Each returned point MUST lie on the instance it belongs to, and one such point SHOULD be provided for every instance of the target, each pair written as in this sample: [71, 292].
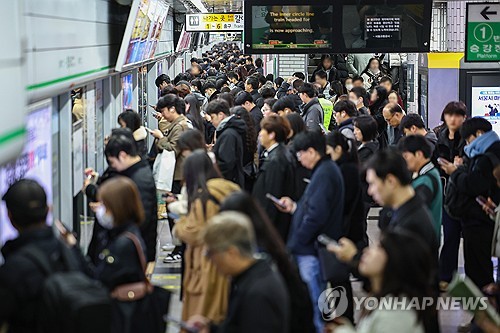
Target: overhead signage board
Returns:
[214, 22]
[482, 43]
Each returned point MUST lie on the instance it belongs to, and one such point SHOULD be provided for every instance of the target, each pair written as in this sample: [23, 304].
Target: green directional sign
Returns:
[482, 42]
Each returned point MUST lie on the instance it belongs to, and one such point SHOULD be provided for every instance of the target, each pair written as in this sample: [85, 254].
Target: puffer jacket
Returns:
[312, 114]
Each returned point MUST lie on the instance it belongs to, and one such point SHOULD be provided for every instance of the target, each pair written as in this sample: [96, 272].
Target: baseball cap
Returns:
[26, 197]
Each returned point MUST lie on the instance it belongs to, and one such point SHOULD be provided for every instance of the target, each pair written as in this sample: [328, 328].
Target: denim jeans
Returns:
[310, 272]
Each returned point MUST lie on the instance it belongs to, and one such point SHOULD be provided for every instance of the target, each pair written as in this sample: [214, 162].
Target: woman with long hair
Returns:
[250, 147]
[269, 242]
[378, 100]
[373, 73]
[130, 119]
[206, 292]
[399, 270]
[193, 112]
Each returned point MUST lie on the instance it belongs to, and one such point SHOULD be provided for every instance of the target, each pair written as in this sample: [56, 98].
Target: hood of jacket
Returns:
[481, 144]
[140, 134]
[232, 122]
[220, 188]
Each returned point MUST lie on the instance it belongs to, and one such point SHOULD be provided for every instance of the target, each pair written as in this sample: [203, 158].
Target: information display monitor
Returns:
[288, 26]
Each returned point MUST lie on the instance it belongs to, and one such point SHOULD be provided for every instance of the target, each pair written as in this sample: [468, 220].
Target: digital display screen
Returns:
[486, 104]
[393, 25]
[35, 162]
[297, 28]
[142, 33]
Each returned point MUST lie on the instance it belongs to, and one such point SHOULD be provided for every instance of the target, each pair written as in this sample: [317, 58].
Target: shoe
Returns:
[356, 31]
[172, 258]
[443, 286]
[168, 247]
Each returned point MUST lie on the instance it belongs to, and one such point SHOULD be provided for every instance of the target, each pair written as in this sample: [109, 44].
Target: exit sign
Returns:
[482, 42]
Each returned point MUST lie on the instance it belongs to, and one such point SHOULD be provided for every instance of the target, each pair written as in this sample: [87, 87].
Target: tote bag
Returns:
[163, 170]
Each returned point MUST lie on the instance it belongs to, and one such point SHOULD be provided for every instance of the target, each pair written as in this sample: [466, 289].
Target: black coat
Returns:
[141, 175]
[341, 65]
[448, 149]
[258, 302]
[21, 279]
[274, 177]
[366, 150]
[257, 98]
[331, 75]
[476, 179]
[229, 150]
[119, 261]
[257, 116]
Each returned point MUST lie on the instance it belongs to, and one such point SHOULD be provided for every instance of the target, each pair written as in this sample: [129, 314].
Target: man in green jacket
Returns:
[426, 181]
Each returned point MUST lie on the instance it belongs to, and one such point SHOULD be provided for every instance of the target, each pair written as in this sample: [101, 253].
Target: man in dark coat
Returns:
[312, 112]
[21, 279]
[252, 86]
[245, 100]
[276, 171]
[259, 300]
[229, 147]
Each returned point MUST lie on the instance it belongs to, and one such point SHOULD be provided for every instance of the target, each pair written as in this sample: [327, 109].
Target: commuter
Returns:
[357, 62]
[326, 65]
[301, 173]
[474, 179]
[358, 81]
[343, 151]
[121, 154]
[21, 279]
[193, 112]
[229, 147]
[287, 86]
[412, 124]
[427, 183]
[340, 63]
[275, 171]
[337, 91]
[278, 82]
[205, 291]
[249, 147]
[398, 267]
[365, 131]
[327, 107]
[234, 80]
[372, 73]
[267, 109]
[386, 82]
[130, 119]
[312, 112]
[228, 97]
[321, 77]
[120, 212]
[251, 86]
[393, 97]
[259, 300]
[345, 113]
[259, 66]
[172, 109]
[246, 100]
[162, 81]
[390, 185]
[269, 243]
[378, 100]
[285, 106]
[267, 92]
[450, 146]
[357, 96]
[196, 88]
[314, 213]
[210, 91]
[393, 114]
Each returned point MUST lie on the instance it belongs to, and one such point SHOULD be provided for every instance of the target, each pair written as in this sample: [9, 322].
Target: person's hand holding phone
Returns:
[200, 323]
[345, 250]
[447, 166]
[66, 236]
[286, 205]
[156, 133]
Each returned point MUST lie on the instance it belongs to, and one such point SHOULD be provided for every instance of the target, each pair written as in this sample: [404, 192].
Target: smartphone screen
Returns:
[275, 200]
[325, 240]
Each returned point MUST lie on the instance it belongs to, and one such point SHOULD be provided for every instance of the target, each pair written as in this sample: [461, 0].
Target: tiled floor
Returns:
[168, 275]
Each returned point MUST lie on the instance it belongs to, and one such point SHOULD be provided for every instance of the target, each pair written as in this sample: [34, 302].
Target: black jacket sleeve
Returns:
[282, 90]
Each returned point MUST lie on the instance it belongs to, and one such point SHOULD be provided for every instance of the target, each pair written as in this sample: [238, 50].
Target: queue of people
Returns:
[256, 175]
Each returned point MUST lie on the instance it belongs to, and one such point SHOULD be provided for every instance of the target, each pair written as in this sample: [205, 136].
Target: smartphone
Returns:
[149, 130]
[485, 204]
[323, 128]
[60, 227]
[153, 106]
[305, 180]
[325, 240]
[275, 200]
[442, 161]
[181, 324]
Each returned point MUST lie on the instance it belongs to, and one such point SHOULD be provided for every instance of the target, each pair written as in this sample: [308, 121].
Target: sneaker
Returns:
[172, 258]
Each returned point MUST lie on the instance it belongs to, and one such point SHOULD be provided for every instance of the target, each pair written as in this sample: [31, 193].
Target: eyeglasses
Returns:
[389, 119]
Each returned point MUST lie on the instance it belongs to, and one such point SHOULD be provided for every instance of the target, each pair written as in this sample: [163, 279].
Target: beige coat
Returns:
[206, 292]
[171, 133]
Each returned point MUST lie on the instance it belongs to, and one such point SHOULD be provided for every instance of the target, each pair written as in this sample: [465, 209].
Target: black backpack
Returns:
[71, 302]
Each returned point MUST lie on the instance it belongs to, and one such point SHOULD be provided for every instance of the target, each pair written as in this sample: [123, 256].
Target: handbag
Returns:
[163, 170]
[139, 306]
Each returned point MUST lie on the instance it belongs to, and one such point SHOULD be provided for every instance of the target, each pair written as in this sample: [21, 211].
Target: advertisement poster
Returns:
[78, 167]
[128, 91]
[35, 162]
[90, 131]
[486, 104]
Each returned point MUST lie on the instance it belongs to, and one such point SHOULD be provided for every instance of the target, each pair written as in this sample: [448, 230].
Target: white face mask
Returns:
[105, 220]
[348, 87]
